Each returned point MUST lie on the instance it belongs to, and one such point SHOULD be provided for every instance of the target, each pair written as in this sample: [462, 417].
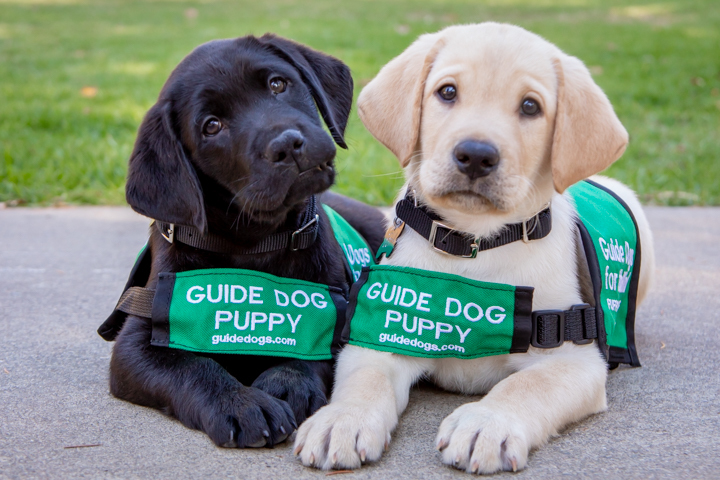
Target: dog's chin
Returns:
[311, 182]
[466, 201]
[274, 204]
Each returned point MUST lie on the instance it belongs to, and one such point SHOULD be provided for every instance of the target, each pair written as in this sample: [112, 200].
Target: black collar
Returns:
[299, 239]
[463, 244]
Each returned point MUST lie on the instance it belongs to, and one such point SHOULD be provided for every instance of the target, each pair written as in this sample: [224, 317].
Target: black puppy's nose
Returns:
[476, 159]
[288, 145]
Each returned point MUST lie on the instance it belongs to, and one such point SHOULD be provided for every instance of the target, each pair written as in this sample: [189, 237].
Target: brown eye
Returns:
[530, 107]
[278, 85]
[212, 127]
[447, 92]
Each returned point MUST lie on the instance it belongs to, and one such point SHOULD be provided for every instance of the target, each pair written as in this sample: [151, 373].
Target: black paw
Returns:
[299, 386]
[247, 417]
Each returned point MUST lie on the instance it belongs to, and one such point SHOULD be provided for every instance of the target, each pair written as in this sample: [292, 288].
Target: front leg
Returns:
[304, 385]
[371, 391]
[548, 392]
[196, 390]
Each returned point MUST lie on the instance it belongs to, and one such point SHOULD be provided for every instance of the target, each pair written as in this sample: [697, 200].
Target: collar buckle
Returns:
[169, 232]
[294, 238]
[433, 234]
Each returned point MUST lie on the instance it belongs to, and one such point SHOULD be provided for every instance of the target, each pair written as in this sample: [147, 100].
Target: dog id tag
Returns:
[391, 236]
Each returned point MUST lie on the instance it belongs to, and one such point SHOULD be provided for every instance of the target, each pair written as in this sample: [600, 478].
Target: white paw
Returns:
[479, 439]
[342, 435]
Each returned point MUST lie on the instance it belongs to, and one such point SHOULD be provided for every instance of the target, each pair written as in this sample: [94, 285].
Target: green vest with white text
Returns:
[428, 314]
[237, 311]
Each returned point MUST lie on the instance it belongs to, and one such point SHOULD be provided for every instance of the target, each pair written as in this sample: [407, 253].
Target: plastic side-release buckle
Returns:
[538, 317]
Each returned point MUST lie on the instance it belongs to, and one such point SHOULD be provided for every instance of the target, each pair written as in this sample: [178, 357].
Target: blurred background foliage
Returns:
[76, 78]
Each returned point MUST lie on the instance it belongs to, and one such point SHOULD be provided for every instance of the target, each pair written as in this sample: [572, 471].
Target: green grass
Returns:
[659, 63]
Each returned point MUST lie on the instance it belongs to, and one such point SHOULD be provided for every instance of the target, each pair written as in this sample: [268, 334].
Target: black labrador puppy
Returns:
[234, 147]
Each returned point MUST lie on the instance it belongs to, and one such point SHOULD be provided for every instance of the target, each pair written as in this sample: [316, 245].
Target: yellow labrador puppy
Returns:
[491, 123]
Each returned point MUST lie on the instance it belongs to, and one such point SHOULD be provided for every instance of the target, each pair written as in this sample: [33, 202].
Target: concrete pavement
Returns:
[61, 271]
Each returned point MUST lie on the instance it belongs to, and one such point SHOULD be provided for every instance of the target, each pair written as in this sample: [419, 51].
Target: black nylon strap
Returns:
[138, 277]
[137, 301]
[299, 239]
[580, 325]
[420, 219]
[522, 320]
[340, 301]
[553, 327]
[463, 244]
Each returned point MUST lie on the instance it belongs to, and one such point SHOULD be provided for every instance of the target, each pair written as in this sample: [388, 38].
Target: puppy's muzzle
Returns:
[476, 159]
[286, 147]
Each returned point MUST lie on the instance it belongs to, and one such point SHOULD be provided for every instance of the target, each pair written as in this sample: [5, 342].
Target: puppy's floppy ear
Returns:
[162, 183]
[328, 79]
[390, 105]
[588, 135]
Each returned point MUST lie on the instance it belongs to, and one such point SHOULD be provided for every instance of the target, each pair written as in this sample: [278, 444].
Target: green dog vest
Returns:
[435, 315]
[611, 243]
[429, 314]
[236, 311]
